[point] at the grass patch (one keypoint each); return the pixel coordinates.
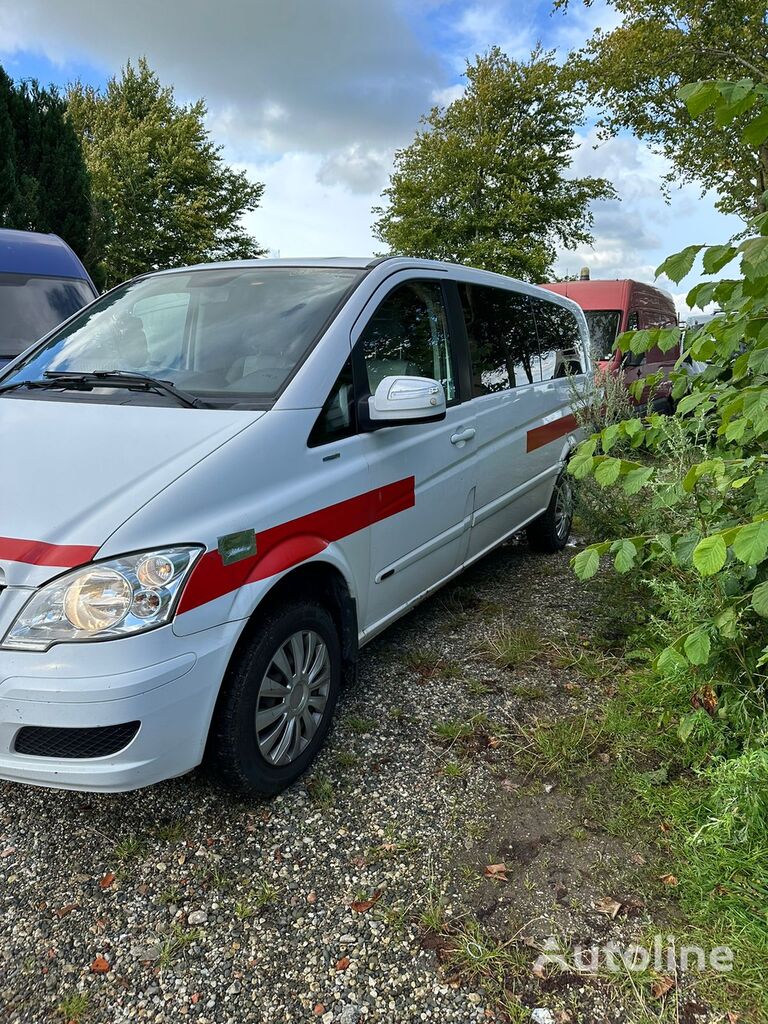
(175, 943)
(321, 791)
(360, 725)
(73, 1006)
(130, 848)
(346, 759)
(512, 646)
(560, 747)
(428, 665)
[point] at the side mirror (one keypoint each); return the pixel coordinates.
(406, 400)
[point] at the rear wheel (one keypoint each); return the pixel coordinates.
(550, 532)
(278, 700)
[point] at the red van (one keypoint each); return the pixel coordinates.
(612, 307)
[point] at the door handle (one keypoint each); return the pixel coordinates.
(463, 435)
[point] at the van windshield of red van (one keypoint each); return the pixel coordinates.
(603, 327)
(32, 306)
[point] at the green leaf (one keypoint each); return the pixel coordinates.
(698, 96)
(681, 263)
(626, 553)
(691, 402)
(636, 479)
(697, 647)
(709, 555)
(716, 257)
(608, 436)
(586, 563)
(726, 623)
(581, 465)
(750, 544)
(687, 725)
(670, 661)
(607, 471)
(760, 600)
(756, 132)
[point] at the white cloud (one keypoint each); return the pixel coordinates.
(294, 74)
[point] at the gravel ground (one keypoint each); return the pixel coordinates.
(181, 902)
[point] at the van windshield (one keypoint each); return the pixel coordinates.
(32, 306)
(603, 328)
(229, 336)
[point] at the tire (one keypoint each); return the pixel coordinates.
(252, 755)
(550, 532)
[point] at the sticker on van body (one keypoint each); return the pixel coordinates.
(236, 546)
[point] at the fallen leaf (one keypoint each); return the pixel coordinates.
(195, 997)
(705, 699)
(564, 1017)
(497, 871)
(608, 906)
(318, 1010)
(493, 742)
(363, 906)
(538, 970)
(107, 880)
(571, 687)
(343, 964)
(509, 785)
(100, 965)
(668, 879)
(660, 988)
(638, 858)
(63, 911)
(733, 1018)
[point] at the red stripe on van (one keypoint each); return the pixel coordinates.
(547, 432)
(36, 552)
(281, 547)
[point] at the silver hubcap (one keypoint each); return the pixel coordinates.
(292, 697)
(563, 508)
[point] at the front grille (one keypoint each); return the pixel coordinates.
(44, 741)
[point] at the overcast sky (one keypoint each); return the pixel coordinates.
(312, 98)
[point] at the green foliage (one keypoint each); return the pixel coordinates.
(163, 195)
(634, 71)
(485, 181)
(44, 184)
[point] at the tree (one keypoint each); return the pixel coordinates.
(634, 72)
(163, 195)
(485, 183)
(44, 184)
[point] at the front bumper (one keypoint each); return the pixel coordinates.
(167, 683)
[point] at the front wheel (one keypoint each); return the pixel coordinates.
(278, 700)
(550, 532)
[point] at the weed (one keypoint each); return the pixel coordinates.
(130, 848)
(346, 759)
(73, 1006)
(427, 665)
(512, 646)
(320, 789)
(175, 943)
(454, 769)
(171, 831)
(360, 725)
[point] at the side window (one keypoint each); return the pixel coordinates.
(502, 338)
(408, 334)
(559, 340)
(337, 417)
(161, 320)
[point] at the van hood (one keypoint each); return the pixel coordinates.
(72, 472)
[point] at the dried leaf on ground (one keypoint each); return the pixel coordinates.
(107, 880)
(497, 871)
(363, 906)
(64, 911)
(660, 987)
(343, 964)
(668, 879)
(100, 965)
(608, 906)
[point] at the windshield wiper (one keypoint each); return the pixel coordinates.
(111, 378)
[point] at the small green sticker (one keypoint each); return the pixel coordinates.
(236, 546)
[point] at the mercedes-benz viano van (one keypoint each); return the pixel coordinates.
(224, 480)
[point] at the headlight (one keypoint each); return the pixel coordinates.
(104, 600)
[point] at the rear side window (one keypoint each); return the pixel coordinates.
(502, 338)
(559, 339)
(408, 335)
(31, 306)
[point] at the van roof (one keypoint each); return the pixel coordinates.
(27, 252)
(618, 294)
